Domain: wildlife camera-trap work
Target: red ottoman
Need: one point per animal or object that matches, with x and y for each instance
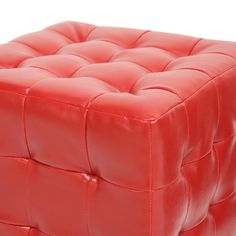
(117, 132)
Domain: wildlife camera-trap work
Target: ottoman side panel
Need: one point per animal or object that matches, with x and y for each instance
(184, 161)
(225, 141)
(223, 207)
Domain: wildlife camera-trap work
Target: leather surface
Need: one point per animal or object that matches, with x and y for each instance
(117, 132)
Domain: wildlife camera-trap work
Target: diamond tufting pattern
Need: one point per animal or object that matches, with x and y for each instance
(109, 131)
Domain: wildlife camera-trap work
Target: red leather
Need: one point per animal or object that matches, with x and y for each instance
(117, 132)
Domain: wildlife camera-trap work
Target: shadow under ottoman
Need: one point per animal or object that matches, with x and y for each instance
(108, 131)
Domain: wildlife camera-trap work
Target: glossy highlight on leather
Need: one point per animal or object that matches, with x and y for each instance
(108, 131)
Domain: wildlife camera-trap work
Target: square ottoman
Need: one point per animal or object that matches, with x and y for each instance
(108, 131)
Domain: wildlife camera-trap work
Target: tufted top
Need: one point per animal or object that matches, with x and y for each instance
(121, 70)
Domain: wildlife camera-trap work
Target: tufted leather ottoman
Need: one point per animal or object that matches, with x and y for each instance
(117, 132)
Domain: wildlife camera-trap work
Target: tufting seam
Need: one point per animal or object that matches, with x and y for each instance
(90, 32)
(196, 225)
(164, 51)
(72, 75)
(187, 124)
(87, 208)
(58, 50)
(41, 68)
(135, 63)
(85, 124)
(172, 182)
(175, 55)
(218, 106)
(215, 226)
(20, 63)
(194, 69)
(197, 70)
(108, 41)
(225, 138)
(26, 192)
(194, 46)
(61, 35)
(23, 226)
(173, 91)
(110, 59)
(87, 59)
(224, 199)
(27, 46)
(195, 161)
(220, 53)
(188, 192)
(133, 86)
(24, 125)
(218, 172)
(139, 37)
(111, 86)
(130, 188)
(166, 66)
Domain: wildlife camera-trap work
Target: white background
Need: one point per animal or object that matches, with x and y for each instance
(214, 19)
